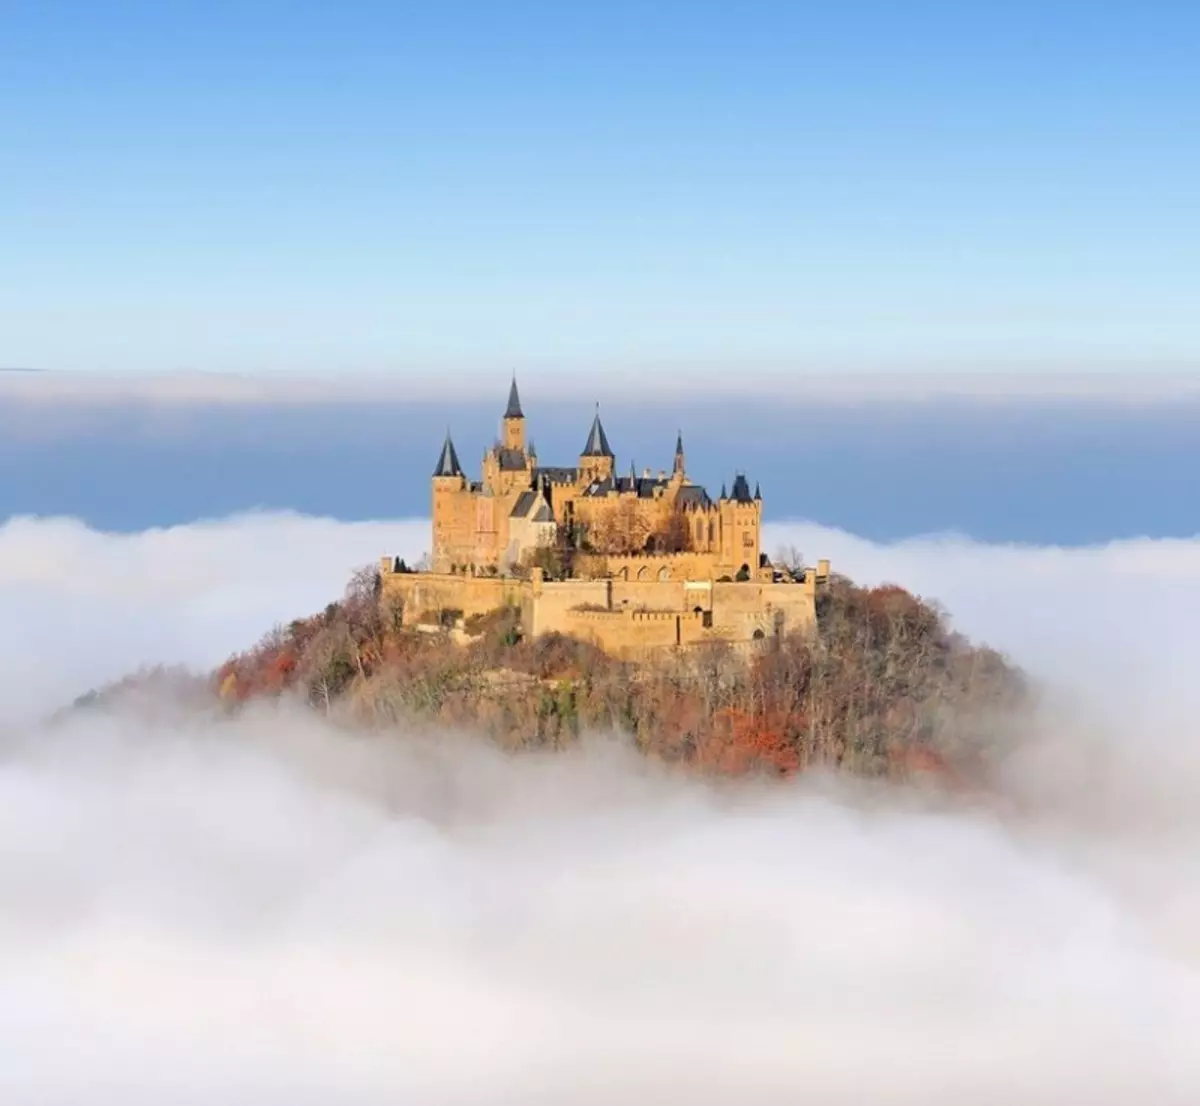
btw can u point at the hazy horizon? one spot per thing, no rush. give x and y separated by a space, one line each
1051 467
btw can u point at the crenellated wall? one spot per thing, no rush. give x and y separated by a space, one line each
625 618
424 593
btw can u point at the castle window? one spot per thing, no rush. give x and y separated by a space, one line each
711 533
664 574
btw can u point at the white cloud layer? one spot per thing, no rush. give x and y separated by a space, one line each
263 911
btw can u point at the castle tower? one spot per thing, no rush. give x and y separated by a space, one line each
679 466
596 460
449 486
514 420
741 522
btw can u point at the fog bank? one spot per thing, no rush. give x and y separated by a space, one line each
203 910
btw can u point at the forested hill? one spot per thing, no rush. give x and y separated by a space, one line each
885 687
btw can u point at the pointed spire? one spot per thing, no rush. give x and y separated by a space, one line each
448 460
757 490
724 493
513 410
679 444
597 442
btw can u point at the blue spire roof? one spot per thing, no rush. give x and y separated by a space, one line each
597 442
448 460
513 410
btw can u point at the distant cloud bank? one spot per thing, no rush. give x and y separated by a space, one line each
667 382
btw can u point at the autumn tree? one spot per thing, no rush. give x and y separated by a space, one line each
620 530
674 533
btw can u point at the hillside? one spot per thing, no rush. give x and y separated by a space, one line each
884 688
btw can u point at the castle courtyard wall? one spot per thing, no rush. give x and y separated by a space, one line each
423 593
624 618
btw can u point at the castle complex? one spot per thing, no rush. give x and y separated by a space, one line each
628 562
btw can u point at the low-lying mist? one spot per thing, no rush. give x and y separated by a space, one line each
267 909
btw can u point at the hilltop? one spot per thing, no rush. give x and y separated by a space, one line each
881 688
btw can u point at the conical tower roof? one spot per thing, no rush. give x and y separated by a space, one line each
513 410
448 460
597 442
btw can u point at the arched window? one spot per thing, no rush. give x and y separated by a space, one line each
643 573
699 531
664 574
758 634
712 531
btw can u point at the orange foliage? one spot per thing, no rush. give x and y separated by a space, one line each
745 742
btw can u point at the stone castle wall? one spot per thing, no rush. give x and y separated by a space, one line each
624 618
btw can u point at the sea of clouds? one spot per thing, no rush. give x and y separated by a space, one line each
267 911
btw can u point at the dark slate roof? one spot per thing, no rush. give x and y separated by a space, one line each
643 486
557 475
741 489
511 460
523 504
597 441
513 410
448 460
693 495
543 513
599 487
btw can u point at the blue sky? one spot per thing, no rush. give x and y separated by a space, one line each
465 187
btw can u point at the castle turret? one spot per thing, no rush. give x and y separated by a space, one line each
741 528
451 540
596 460
514 419
447 464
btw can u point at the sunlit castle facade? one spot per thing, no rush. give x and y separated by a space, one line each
631 563
494 524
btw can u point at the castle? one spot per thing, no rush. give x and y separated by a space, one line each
626 562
